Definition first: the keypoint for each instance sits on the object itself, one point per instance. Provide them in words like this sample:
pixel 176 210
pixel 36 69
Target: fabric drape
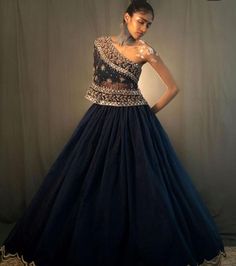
pixel 46 66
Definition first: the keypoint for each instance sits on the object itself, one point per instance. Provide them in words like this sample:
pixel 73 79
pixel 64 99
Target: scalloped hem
pixel 13 259
pixel 16 260
pixel 216 261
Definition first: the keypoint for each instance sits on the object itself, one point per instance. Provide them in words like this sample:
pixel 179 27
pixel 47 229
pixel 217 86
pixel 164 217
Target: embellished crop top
pixel 115 77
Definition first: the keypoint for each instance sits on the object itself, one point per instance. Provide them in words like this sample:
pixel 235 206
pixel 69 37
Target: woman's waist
pixel 115 94
pixel 116 88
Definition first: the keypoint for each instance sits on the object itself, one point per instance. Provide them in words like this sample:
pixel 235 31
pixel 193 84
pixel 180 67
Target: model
pixel 117 195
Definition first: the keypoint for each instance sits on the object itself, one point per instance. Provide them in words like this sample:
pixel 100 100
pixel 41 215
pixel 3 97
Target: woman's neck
pixel 125 38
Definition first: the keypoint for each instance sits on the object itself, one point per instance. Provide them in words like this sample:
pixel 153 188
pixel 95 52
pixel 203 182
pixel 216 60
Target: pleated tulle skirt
pixel 117 195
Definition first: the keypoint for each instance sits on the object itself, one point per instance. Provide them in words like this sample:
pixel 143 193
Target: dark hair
pixel 139 6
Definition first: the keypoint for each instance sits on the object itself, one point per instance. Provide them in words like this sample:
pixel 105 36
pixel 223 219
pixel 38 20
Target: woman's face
pixel 138 24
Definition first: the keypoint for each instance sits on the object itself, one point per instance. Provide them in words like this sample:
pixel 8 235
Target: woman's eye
pixel 141 22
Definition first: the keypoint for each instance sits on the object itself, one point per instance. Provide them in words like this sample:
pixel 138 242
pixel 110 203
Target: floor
pixel 230 259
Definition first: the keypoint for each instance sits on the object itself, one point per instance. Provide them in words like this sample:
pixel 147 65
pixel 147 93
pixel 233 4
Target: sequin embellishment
pixel 115 97
pixel 115 77
pixel 111 56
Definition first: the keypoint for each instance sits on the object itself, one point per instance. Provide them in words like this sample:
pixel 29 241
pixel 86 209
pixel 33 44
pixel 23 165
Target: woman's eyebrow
pixel 146 20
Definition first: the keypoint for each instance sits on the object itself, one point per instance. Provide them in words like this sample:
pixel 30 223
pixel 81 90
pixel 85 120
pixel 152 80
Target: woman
pixel 117 195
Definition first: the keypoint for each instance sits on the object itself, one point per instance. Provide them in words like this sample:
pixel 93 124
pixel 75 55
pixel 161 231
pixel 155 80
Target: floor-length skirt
pixel 117 195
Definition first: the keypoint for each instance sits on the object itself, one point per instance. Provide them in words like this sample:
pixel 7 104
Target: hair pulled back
pixel 139 6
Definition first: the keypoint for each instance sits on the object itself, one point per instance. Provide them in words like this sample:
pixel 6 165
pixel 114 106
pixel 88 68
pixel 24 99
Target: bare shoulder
pixel 146 49
pixel 148 53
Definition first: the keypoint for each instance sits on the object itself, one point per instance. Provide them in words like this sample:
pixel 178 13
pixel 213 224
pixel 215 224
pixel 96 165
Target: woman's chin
pixel 138 36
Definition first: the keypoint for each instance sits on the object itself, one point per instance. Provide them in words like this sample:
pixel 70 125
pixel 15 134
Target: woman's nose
pixel 144 28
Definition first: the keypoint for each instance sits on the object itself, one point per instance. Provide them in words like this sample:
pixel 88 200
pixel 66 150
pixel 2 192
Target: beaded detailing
pixel 116 60
pixel 16 260
pixel 216 261
pixel 13 259
pixel 115 97
pixel 116 77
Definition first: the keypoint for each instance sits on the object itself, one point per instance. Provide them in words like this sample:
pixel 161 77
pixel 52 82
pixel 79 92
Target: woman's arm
pixel 162 70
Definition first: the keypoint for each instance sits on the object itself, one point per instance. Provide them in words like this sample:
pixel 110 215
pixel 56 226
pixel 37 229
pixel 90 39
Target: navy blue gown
pixel 117 195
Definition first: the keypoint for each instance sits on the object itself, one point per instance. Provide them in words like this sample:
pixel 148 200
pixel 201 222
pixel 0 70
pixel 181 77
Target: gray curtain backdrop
pixel 46 66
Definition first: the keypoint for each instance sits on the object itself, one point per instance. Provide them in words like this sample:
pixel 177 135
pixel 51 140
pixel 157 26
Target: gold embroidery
pixel 216 261
pixel 114 96
pixel 13 259
pixel 114 59
pixel 109 87
pixel 102 67
pixel 16 260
